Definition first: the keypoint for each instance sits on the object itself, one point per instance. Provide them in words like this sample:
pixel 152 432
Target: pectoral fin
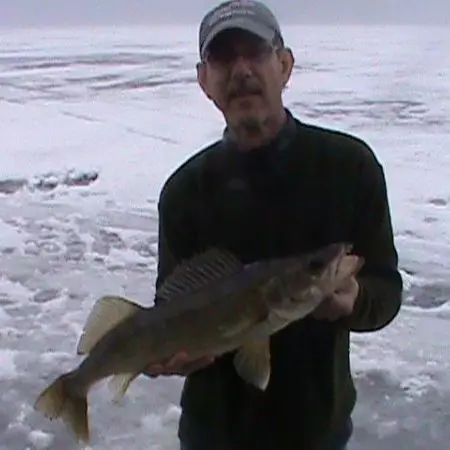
pixel 119 385
pixel 252 363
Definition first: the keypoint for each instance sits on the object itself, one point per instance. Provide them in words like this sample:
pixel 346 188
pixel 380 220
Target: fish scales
pixel 210 304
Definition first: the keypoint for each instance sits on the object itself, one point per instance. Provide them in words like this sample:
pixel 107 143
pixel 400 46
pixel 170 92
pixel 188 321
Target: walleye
pixel 211 304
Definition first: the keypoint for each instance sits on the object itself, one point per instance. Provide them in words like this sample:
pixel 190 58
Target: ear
pixel 202 78
pixel 287 61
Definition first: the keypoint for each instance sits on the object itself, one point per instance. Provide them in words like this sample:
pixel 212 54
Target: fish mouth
pixel 349 264
pixel 348 247
pixel 321 259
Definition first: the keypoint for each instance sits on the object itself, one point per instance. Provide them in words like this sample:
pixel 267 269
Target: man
pixel 274 186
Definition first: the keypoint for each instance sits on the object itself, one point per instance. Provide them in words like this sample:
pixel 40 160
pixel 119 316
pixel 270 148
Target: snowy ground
pixel 92 122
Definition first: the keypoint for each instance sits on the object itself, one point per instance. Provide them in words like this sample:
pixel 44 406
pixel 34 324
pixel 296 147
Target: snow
pixel 92 122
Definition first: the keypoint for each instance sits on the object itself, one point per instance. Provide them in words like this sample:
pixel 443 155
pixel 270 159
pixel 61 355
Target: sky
pixel 61 12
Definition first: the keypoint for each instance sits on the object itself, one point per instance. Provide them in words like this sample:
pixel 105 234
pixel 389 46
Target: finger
pixel 154 370
pixel 345 303
pixel 177 360
pixel 348 285
pixel 197 364
pixel 152 375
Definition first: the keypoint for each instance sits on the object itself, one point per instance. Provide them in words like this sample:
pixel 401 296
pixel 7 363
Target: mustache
pixel 242 87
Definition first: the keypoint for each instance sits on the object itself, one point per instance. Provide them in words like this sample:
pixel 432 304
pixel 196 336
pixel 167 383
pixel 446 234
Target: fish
pixel 211 304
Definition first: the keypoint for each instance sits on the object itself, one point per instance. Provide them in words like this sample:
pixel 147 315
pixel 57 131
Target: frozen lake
pixel 92 121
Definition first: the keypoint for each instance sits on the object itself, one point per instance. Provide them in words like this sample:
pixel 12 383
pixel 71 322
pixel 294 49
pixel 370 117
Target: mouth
pixel 243 95
pixel 242 99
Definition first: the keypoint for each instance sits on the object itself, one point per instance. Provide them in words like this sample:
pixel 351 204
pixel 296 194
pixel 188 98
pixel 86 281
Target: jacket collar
pixel 279 142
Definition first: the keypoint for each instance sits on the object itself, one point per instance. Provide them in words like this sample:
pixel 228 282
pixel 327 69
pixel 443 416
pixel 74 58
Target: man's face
pixel 244 76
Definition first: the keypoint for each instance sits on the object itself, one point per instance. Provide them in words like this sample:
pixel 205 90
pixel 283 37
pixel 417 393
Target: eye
pixel 315 264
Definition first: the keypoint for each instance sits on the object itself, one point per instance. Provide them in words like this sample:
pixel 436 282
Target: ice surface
pixel 92 122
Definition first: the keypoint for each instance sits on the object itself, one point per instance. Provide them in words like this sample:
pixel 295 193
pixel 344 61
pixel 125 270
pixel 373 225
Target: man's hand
pixel 180 364
pixel 340 304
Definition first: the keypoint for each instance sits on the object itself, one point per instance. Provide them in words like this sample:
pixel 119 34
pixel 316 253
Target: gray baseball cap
pixel 248 15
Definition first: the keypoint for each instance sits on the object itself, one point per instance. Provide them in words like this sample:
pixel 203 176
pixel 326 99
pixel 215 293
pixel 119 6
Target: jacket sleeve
pixel 380 281
pixel 167 254
pixel 176 230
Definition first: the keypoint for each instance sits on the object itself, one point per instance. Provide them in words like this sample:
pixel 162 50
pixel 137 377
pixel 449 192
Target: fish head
pixel 342 266
pixel 300 283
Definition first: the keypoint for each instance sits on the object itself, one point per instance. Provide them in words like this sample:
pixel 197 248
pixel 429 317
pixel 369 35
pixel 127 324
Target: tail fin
pixel 60 400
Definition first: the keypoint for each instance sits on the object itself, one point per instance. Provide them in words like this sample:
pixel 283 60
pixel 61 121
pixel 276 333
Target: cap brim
pixel 245 24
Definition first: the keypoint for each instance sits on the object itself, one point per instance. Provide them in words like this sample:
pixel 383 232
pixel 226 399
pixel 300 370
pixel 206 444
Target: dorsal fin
pixel 197 272
pixel 107 312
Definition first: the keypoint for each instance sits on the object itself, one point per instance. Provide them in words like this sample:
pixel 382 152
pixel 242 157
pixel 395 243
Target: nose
pixel 241 67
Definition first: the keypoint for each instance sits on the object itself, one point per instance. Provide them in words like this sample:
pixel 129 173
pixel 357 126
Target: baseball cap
pixel 249 15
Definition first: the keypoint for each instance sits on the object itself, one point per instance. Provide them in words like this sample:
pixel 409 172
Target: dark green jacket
pixel 310 187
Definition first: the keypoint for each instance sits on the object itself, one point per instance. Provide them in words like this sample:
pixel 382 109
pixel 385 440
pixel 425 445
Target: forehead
pixel 235 37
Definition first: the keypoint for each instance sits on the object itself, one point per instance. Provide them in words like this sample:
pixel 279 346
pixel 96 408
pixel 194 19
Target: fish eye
pixel 315 264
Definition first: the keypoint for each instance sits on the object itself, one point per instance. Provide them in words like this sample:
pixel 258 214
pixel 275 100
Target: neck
pixel 254 133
